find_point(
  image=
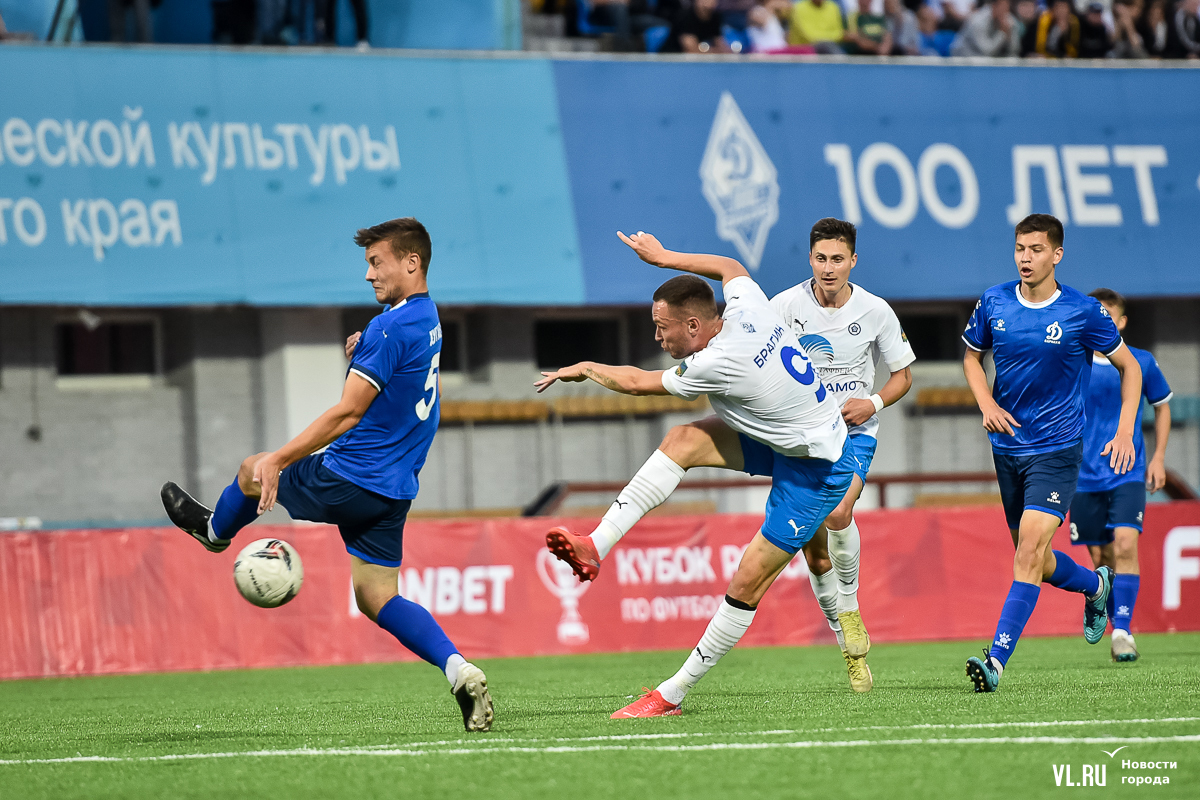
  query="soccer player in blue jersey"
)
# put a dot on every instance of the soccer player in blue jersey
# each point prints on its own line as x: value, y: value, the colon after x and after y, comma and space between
x: 378, y: 436
x: 1042, y: 335
x: 1106, y: 514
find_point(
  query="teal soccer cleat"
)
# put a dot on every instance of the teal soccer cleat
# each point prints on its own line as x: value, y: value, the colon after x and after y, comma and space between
x: 1095, y: 610
x: 981, y: 672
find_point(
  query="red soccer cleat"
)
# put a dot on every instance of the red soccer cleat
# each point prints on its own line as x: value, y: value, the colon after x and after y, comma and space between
x: 577, y: 551
x: 650, y: 704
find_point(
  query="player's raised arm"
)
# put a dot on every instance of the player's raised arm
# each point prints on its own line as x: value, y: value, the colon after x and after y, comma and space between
x: 1121, y: 451
x: 650, y: 250
x: 626, y: 380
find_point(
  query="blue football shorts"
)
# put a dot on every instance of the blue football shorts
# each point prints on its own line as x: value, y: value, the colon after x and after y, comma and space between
x: 372, y: 526
x: 1095, y: 514
x: 864, y: 453
x: 1041, y: 482
x: 803, y: 491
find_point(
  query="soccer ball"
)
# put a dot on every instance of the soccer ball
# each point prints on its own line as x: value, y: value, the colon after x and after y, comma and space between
x: 268, y: 572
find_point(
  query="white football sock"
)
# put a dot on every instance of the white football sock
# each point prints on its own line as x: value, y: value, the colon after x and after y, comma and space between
x: 452, y: 664
x: 650, y: 487
x: 825, y: 590
x: 724, y: 631
x: 844, y: 549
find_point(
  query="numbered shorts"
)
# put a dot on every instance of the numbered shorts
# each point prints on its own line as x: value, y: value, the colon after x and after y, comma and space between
x: 864, y: 453
x: 1095, y: 514
x: 1041, y: 482
x: 803, y: 491
x: 372, y: 526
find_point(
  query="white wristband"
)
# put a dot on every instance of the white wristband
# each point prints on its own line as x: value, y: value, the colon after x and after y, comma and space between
x: 876, y: 401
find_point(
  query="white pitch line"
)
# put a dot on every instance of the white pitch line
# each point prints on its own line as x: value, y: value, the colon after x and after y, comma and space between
x: 556, y: 750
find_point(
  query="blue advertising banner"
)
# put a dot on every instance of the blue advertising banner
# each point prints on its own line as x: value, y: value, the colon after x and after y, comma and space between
x: 934, y: 163
x: 163, y: 177
x: 201, y: 176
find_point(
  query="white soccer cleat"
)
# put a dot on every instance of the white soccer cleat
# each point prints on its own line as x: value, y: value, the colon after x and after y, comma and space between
x: 471, y: 692
x: 1123, y: 647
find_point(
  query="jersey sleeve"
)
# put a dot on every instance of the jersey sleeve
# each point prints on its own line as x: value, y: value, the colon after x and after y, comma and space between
x: 892, y: 342
x: 978, y: 334
x: 1154, y: 383
x: 377, y: 356
x: 1099, y: 331
x: 743, y: 291
x: 704, y: 372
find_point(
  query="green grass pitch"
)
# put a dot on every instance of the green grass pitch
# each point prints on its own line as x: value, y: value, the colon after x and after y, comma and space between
x: 769, y: 722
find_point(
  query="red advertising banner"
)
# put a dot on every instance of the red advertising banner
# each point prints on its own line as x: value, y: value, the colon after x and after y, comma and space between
x: 107, y: 601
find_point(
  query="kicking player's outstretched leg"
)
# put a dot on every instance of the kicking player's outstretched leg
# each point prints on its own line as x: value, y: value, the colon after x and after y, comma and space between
x: 375, y: 592
x: 760, y: 566
x: 707, y: 443
x: 237, y: 508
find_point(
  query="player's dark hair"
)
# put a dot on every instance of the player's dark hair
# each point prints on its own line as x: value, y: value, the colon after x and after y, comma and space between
x: 1042, y: 223
x: 1110, y: 297
x: 688, y: 292
x: 833, y: 228
x: 405, y: 235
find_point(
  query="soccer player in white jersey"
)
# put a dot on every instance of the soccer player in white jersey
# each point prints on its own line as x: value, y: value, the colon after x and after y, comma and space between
x: 777, y: 419
x: 863, y: 329
x: 844, y: 329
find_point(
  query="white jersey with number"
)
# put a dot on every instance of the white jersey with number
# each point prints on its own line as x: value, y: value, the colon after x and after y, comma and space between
x: 844, y: 343
x: 760, y: 382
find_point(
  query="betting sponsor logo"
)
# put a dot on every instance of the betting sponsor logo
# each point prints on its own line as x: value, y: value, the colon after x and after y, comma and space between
x: 739, y: 182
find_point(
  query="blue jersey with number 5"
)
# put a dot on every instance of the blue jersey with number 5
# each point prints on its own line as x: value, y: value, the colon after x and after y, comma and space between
x: 398, y: 354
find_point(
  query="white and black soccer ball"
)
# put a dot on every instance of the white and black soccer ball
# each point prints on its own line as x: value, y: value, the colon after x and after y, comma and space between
x: 268, y: 572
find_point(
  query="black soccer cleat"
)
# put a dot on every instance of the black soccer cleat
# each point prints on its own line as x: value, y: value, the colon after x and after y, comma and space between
x: 190, y: 516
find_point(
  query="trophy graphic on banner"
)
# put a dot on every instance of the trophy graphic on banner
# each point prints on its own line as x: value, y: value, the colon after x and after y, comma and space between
x: 560, y: 580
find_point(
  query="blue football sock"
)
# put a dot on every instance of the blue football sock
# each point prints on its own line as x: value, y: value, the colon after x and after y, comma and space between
x: 1124, y: 593
x: 1022, y: 597
x: 1072, y: 577
x: 234, y: 511
x: 417, y: 630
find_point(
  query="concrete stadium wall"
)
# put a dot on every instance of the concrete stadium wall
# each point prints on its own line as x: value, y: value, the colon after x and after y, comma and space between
x: 235, y: 381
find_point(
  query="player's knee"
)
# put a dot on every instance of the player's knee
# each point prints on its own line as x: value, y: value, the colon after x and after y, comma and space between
x: 371, y: 597
x: 681, y: 442
x: 840, y: 518
x: 246, y: 472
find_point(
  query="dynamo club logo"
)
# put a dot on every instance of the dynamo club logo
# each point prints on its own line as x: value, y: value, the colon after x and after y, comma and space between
x: 819, y: 350
x: 739, y: 182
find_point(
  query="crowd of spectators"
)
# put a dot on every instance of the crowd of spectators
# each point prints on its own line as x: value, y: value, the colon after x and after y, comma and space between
x: 311, y: 22
x: 973, y: 28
